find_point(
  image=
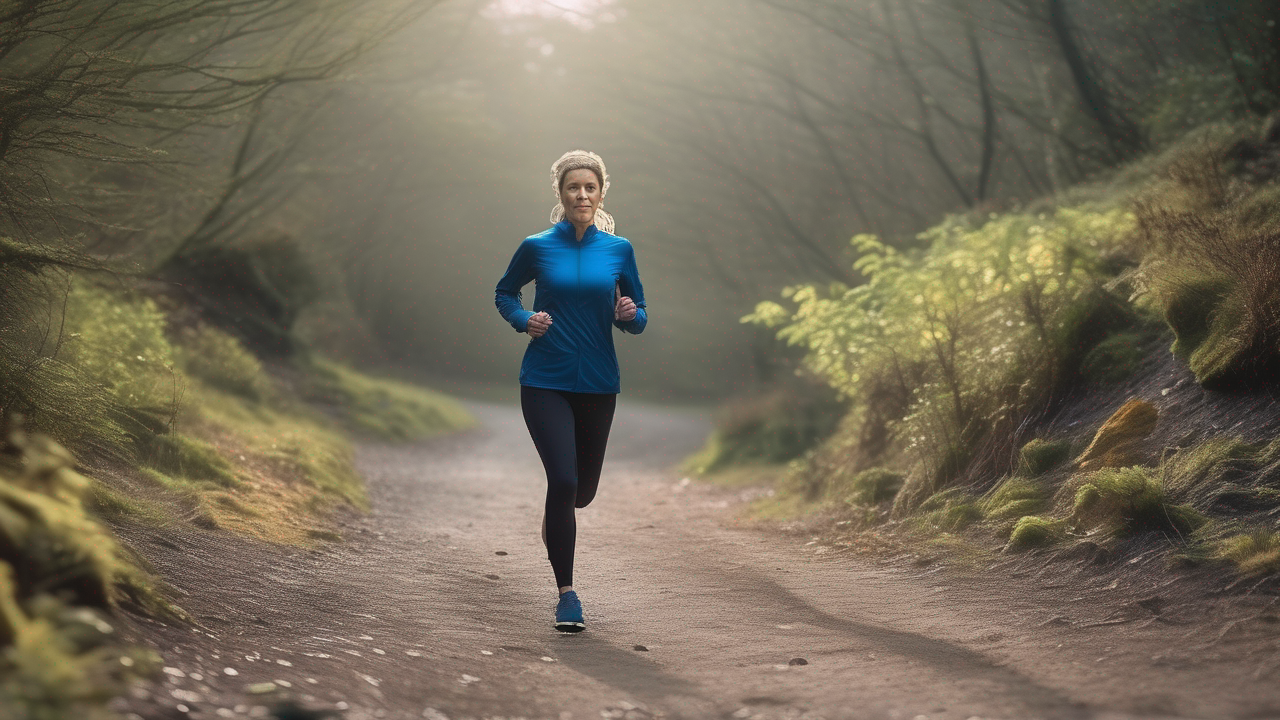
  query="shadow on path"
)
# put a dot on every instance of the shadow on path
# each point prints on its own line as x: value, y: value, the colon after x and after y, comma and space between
x: 948, y: 658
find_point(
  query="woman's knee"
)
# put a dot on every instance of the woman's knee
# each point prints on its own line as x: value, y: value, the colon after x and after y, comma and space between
x: 562, y: 489
x: 584, y: 497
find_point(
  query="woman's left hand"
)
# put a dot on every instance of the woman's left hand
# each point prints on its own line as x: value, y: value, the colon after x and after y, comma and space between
x: 625, y: 309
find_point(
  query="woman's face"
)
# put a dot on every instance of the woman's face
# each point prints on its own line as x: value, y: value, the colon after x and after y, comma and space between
x: 580, y: 195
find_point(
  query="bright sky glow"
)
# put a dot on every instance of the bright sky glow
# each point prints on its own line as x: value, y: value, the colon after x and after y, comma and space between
x: 585, y: 14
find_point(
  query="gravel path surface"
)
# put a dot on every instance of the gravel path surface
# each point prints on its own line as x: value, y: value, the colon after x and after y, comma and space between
x: 439, y: 605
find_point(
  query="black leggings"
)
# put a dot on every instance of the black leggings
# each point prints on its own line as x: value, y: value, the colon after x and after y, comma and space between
x: 570, y: 431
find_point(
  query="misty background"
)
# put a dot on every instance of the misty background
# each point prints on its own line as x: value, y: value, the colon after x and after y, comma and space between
x: 747, y: 141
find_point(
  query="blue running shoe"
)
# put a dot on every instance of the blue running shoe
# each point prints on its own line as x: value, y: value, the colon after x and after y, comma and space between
x: 569, y: 613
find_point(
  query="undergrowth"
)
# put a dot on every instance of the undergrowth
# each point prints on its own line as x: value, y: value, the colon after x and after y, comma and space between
x: 61, y: 574
x: 776, y: 425
x: 951, y: 355
x: 382, y: 407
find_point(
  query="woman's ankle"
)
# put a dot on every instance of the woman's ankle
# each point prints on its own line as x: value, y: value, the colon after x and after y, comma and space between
x: 566, y: 588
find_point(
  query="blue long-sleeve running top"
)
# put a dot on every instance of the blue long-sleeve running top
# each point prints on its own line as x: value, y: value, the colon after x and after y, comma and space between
x: 575, y: 282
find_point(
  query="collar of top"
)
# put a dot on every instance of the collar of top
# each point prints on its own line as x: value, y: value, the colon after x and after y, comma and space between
x: 566, y: 228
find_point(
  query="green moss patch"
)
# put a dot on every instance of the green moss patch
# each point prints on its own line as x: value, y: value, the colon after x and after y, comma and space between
x: 221, y: 361
x: 112, y: 504
x: 1032, y: 531
x: 382, y: 407
x: 1130, y: 500
x: 1014, y: 498
x: 186, y: 457
x: 1253, y: 553
x: 1039, y: 456
x: 1229, y: 347
x: 59, y: 570
x: 1189, y: 309
x: 951, y: 510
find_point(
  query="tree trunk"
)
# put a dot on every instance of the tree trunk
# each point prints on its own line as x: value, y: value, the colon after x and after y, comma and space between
x: 1121, y: 135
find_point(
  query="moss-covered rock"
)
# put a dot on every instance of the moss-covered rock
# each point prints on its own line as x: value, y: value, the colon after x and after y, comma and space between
x: 1189, y: 309
x: 1232, y: 354
x: 1118, y: 441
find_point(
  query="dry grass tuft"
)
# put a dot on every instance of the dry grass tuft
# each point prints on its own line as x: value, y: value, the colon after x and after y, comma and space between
x: 1118, y: 440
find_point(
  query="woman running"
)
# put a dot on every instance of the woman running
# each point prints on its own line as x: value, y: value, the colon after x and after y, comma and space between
x: 586, y: 279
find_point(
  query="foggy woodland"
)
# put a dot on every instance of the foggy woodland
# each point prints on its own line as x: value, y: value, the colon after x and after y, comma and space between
x: 968, y: 285
x: 404, y: 146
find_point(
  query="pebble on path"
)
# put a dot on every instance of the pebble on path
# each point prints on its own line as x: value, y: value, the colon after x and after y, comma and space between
x: 797, y: 661
x: 639, y: 648
x: 501, y: 552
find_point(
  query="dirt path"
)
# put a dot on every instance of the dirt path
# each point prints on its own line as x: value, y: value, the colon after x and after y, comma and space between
x: 440, y: 603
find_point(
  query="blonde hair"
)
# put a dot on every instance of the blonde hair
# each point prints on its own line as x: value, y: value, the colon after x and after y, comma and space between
x: 581, y: 160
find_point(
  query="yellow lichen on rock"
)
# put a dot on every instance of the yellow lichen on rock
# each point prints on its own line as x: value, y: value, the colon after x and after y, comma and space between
x: 1117, y: 442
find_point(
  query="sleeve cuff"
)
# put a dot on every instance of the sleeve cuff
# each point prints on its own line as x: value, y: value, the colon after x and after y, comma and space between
x: 521, y: 320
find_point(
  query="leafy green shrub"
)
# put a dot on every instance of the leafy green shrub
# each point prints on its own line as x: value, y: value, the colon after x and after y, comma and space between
x: 770, y: 427
x: 1039, y: 456
x: 1130, y: 500
x: 119, y: 343
x: 1032, y: 531
x: 980, y: 317
x: 222, y: 361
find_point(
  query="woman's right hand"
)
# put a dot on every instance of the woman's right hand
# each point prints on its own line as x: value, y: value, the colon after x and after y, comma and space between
x: 538, y: 324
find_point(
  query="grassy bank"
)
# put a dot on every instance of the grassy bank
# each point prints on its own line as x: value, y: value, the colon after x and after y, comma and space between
x: 1034, y: 379
x: 139, y: 413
